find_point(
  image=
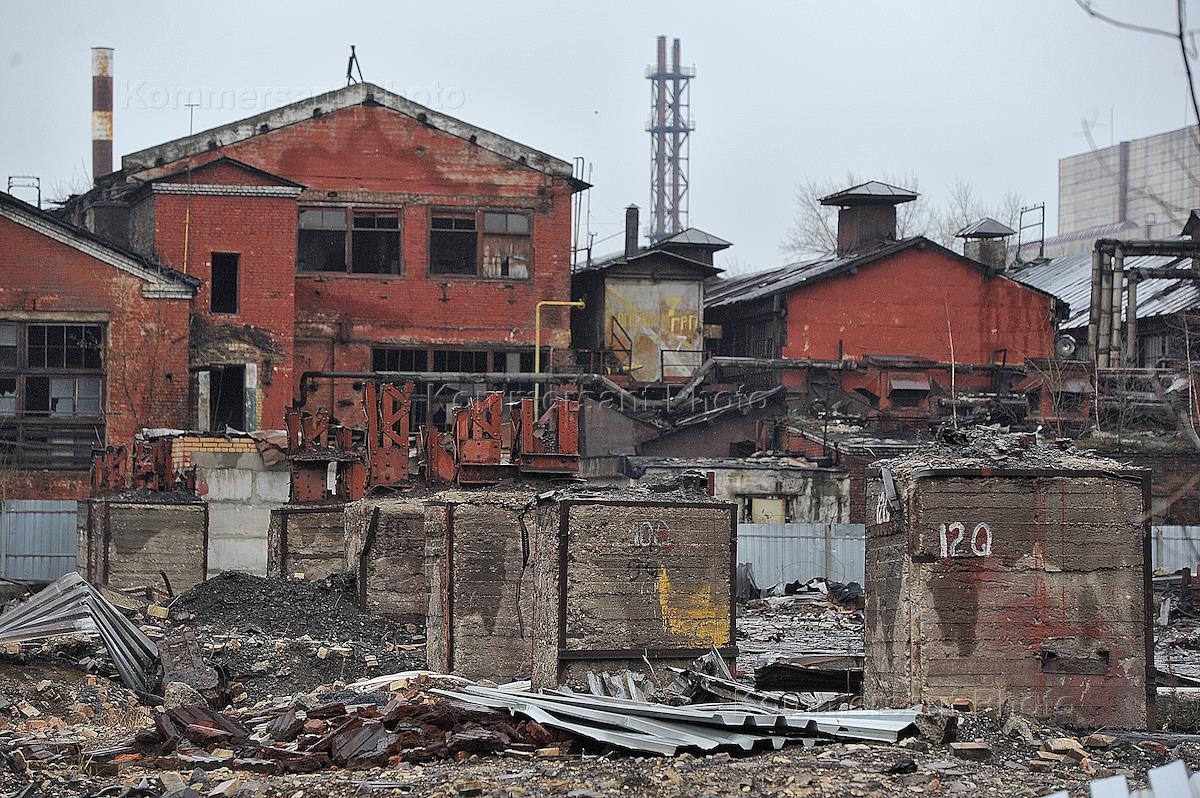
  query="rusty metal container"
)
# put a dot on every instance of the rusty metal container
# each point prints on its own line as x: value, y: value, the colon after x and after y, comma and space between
x: 1011, y: 575
x: 626, y: 577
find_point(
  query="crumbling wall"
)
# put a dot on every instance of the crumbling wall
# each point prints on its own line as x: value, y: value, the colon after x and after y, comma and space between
x: 306, y: 539
x: 130, y: 542
x: 385, y: 549
x: 1022, y: 587
x: 481, y: 588
x: 627, y: 576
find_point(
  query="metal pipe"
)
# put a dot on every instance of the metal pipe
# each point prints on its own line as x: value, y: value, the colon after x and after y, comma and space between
x: 1094, y: 305
x: 1118, y: 287
x: 537, y: 340
x: 1131, y: 322
x: 579, y: 378
x: 1105, y: 313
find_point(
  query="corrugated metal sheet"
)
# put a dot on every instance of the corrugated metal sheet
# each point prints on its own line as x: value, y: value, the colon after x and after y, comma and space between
x: 791, y: 552
x: 37, y: 539
x: 1070, y: 279
x: 1175, y: 547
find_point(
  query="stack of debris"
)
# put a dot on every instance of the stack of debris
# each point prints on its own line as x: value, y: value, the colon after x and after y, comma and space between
x: 803, y: 642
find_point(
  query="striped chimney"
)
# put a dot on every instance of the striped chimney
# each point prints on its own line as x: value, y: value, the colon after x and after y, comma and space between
x: 102, y: 112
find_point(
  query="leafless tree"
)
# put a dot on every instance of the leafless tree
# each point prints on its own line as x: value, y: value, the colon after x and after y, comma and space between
x: 814, y: 227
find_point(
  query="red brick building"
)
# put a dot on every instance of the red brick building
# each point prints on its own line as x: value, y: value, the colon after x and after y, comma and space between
x: 884, y: 318
x: 351, y: 232
x: 93, y: 347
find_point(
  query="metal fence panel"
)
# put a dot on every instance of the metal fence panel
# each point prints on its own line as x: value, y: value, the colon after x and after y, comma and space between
x: 791, y: 552
x: 37, y: 539
x: 1175, y: 547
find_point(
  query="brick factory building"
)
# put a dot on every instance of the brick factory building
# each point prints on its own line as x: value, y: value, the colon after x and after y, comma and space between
x: 93, y: 347
x: 353, y: 231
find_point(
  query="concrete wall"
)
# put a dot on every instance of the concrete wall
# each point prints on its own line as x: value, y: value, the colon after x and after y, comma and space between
x: 306, y: 539
x: 1159, y: 185
x: 128, y: 543
x: 640, y: 576
x: 388, y: 557
x: 1026, y: 590
x: 240, y: 490
x: 481, y: 593
x: 811, y: 495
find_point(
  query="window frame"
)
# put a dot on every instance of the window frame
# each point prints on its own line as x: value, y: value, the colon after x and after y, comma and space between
x: 480, y: 214
x: 348, y: 249
x: 27, y: 426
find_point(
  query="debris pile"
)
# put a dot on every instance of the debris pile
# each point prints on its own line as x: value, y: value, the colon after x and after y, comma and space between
x: 276, y: 636
x: 803, y: 641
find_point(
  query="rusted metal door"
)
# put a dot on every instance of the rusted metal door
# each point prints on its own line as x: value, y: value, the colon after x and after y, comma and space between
x: 38, y: 539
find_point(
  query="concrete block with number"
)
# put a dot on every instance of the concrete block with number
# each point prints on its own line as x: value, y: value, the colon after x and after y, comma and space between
x: 1010, y: 573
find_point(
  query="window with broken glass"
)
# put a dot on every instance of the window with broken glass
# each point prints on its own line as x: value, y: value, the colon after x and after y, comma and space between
x: 51, y: 394
x: 492, y: 244
x: 348, y: 240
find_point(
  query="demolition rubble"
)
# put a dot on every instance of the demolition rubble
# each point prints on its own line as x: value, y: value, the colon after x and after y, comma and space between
x: 512, y: 634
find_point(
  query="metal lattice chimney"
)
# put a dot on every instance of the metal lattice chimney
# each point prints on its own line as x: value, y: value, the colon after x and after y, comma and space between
x: 102, y: 112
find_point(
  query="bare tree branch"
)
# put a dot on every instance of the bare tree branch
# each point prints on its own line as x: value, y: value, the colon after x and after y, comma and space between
x: 1086, y: 5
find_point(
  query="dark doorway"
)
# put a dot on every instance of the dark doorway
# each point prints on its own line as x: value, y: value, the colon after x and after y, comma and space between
x: 227, y: 397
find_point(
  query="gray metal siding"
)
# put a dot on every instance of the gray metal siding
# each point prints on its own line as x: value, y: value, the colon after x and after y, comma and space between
x: 1175, y: 547
x: 790, y: 552
x: 38, y: 539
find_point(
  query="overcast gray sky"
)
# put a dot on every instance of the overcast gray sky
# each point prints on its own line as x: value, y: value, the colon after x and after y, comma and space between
x: 992, y: 92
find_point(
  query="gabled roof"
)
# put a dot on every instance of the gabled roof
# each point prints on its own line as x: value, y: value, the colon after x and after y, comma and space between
x: 161, y: 280
x: 694, y: 237
x: 987, y: 227
x: 339, y: 99
x: 618, y: 259
x: 873, y: 191
x: 760, y: 285
x: 242, y: 166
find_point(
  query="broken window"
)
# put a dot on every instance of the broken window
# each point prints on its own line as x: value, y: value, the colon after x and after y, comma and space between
x: 8, y: 346
x: 349, y: 239
x: 224, y: 283
x: 51, y: 394
x: 322, y: 242
x: 507, y: 246
x: 388, y: 359
x: 375, y: 243
x: 452, y: 244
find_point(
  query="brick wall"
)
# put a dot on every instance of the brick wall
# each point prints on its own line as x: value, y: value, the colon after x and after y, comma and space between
x: 368, y: 157
x: 262, y: 231
x: 900, y: 305
x: 146, y: 364
x: 183, y: 447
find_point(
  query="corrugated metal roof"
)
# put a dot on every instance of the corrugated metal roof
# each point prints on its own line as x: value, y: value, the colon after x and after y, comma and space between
x: 1070, y: 279
x: 749, y: 287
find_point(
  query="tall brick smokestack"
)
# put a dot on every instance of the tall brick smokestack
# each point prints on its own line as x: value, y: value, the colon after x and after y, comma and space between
x: 102, y: 112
